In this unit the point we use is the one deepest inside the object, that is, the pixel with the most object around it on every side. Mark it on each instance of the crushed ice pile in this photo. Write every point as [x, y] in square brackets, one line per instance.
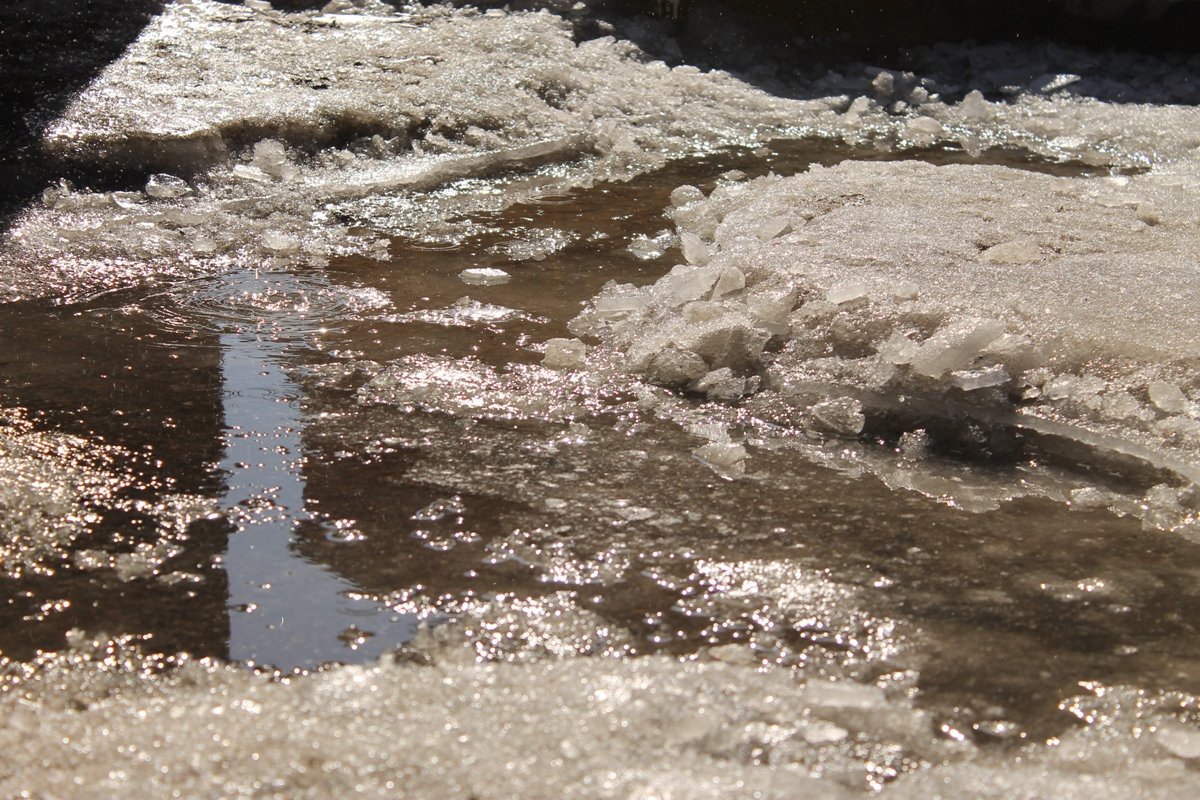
[880, 299]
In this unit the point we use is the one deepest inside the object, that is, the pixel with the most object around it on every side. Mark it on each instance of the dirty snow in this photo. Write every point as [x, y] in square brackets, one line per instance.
[871, 316]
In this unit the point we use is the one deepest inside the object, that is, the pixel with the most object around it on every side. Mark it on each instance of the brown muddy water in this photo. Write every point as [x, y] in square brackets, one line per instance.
[336, 528]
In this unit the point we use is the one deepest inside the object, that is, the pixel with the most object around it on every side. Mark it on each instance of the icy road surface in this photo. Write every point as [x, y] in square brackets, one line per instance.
[439, 403]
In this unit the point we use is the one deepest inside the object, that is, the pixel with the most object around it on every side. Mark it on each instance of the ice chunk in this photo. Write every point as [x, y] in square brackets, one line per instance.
[955, 345]
[729, 340]
[729, 280]
[972, 380]
[915, 445]
[1017, 251]
[722, 384]
[898, 349]
[771, 310]
[974, 108]
[484, 276]
[270, 156]
[1167, 397]
[923, 130]
[162, 186]
[694, 249]
[822, 732]
[565, 354]
[726, 457]
[1050, 83]
[840, 415]
[847, 291]
[278, 242]
[687, 283]
[250, 174]
[649, 248]
[683, 195]
[537, 246]
[843, 695]
[773, 226]
[671, 366]
[1181, 740]
[616, 302]
[441, 509]
[884, 85]
[464, 313]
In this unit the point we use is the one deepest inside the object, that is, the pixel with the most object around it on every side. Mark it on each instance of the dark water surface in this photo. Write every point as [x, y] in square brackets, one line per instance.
[317, 543]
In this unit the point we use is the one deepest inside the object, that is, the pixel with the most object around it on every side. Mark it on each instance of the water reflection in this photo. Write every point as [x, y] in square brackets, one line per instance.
[285, 610]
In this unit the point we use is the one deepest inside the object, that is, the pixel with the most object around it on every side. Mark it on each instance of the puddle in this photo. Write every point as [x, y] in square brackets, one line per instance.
[337, 527]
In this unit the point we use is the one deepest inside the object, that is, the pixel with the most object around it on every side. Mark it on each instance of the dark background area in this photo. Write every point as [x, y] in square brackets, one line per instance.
[51, 49]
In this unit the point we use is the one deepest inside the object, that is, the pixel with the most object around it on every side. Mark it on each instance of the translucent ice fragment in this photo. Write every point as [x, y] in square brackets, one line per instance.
[840, 415]
[771, 227]
[914, 445]
[251, 174]
[619, 301]
[441, 509]
[1089, 497]
[725, 456]
[484, 276]
[694, 249]
[846, 291]
[166, 187]
[280, 243]
[730, 280]
[271, 157]
[974, 108]
[673, 367]
[842, 694]
[1050, 83]
[771, 310]
[898, 349]
[971, 380]
[923, 130]
[1167, 397]
[822, 732]
[565, 354]
[690, 283]
[955, 346]
[649, 248]
[686, 194]
[722, 384]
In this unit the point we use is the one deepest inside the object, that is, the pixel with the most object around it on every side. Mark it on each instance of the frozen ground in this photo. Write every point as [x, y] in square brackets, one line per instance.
[466, 335]
[571, 727]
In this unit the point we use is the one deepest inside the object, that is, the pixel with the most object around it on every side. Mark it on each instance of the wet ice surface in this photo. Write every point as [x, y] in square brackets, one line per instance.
[407, 384]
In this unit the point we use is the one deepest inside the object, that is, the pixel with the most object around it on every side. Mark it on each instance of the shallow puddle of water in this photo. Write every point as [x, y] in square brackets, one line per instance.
[321, 533]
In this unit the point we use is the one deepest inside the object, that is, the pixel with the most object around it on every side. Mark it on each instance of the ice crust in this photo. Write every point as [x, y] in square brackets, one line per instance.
[455, 726]
[274, 116]
[921, 290]
[286, 128]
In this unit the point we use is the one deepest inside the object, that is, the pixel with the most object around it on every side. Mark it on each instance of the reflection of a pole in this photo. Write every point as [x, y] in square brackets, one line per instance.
[285, 610]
